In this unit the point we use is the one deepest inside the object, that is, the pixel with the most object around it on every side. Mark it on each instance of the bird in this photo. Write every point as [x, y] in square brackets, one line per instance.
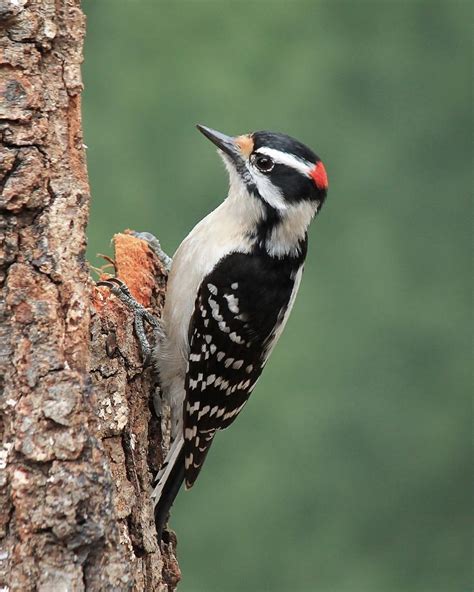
[231, 287]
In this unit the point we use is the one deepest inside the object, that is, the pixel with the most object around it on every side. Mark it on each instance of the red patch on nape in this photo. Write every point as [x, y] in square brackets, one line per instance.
[319, 176]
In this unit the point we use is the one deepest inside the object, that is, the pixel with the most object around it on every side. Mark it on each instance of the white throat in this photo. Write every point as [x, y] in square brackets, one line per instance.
[286, 235]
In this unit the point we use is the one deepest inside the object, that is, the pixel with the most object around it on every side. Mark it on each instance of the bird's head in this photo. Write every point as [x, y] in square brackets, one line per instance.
[282, 172]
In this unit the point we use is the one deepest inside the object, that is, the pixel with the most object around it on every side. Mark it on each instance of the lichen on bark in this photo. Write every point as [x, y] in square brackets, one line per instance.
[76, 426]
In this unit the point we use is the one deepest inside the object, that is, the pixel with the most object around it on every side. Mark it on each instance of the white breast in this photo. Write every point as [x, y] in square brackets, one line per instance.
[227, 229]
[222, 232]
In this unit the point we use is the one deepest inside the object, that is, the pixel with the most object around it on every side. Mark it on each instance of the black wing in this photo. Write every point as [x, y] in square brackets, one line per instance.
[238, 307]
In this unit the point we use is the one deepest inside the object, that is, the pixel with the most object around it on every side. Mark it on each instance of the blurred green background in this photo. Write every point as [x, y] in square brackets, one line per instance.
[348, 470]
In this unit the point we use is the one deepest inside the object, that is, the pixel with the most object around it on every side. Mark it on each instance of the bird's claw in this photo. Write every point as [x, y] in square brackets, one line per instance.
[120, 289]
[155, 246]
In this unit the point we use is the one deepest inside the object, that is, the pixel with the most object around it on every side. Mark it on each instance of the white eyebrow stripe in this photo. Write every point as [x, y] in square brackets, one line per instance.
[299, 164]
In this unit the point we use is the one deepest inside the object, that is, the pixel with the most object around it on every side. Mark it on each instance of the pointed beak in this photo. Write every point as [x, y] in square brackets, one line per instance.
[227, 144]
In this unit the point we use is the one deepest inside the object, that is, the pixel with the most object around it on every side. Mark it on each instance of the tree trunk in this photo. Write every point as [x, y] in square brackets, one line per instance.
[79, 440]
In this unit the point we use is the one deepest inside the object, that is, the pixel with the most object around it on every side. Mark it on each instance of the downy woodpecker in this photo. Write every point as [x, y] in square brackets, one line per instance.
[231, 287]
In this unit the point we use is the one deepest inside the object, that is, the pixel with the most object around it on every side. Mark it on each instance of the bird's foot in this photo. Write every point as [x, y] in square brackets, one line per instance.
[155, 246]
[140, 314]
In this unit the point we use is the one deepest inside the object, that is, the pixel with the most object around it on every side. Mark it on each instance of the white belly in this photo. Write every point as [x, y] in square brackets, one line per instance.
[220, 233]
[214, 237]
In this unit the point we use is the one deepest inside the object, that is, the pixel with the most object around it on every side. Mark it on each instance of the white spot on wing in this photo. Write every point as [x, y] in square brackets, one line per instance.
[192, 408]
[216, 316]
[232, 303]
[188, 461]
[234, 412]
[204, 411]
[223, 327]
[215, 310]
[236, 338]
[189, 433]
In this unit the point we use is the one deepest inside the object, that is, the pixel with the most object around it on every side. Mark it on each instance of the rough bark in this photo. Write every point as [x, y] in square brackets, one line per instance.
[76, 426]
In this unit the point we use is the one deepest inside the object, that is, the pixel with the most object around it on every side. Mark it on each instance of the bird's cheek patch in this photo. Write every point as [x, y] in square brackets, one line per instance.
[319, 176]
[245, 143]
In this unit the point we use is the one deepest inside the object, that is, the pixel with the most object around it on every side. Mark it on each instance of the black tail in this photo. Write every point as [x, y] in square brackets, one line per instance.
[169, 493]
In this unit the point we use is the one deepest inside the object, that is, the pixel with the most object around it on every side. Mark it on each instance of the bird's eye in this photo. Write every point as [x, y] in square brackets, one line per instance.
[264, 163]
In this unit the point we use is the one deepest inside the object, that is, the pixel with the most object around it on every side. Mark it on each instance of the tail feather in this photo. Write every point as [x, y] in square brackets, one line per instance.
[169, 483]
[196, 455]
[183, 463]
